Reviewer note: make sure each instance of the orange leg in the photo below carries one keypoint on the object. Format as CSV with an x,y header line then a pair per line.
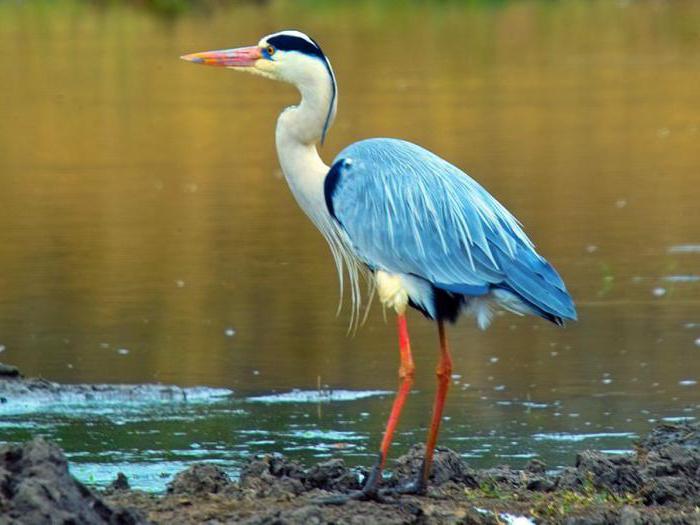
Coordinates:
x,y
406,373
444,373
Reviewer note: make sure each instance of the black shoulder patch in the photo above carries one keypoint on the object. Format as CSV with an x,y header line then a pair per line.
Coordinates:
x,y
331,183
296,43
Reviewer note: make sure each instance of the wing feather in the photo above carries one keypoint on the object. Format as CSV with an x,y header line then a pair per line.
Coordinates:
x,y
409,211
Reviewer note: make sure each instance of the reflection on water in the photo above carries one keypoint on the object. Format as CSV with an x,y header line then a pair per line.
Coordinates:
x,y
146,233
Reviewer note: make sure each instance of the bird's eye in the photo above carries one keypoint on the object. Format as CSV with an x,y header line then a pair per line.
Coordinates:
x,y
270,50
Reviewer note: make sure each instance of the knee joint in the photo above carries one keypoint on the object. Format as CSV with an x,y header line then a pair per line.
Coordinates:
x,y
444,372
407,371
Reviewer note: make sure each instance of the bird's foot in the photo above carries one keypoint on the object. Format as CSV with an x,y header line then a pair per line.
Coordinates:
x,y
359,495
417,487
370,491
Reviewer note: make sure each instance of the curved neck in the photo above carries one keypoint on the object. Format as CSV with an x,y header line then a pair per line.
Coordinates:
x,y
307,122
299,129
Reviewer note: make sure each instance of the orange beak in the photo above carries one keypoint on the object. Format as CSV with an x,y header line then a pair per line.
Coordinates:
x,y
239,57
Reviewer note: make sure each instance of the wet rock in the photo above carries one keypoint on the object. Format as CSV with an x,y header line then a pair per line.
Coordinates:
x,y
617,474
201,478
536,466
280,467
669,459
121,482
272,475
9,372
332,475
447,466
503,475
276,475
540,484
684,434
672,489
35,487
665,470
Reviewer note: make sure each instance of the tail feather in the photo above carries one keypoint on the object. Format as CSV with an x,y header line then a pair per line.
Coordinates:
x,y
537,283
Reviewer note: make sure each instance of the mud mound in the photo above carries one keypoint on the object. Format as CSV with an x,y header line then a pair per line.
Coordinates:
x,y
35,487
447,466
665,469
201,478
275,475
621,474
685,435
121,482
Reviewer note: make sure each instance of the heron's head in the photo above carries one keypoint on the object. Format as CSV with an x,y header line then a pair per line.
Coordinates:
x,y
289,56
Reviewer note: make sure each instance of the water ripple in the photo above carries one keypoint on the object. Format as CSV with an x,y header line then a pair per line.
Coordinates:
x,y
317,396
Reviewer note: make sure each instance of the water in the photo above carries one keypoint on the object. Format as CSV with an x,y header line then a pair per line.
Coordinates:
x,y
151,440
146,234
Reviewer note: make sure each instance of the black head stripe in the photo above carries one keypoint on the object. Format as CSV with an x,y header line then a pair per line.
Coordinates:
x,y
302,45
295,43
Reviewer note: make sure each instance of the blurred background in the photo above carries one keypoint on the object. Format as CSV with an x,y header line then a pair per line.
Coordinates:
x,y
147,234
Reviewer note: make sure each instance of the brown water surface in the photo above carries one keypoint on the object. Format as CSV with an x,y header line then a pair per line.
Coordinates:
x,y
146,233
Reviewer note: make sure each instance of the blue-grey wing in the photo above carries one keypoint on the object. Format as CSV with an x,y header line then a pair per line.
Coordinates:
x,y
408,211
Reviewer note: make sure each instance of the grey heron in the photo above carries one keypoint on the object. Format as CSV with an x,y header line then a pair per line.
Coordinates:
x,y
428,235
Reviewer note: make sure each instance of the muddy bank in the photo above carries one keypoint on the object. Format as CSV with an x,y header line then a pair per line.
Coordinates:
x,y
35,487
660,483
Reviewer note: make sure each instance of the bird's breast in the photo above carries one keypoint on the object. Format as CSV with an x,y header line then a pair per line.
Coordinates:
x,y
391,291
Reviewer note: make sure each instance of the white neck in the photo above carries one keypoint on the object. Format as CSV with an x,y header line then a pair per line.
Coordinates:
x,y
299,129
